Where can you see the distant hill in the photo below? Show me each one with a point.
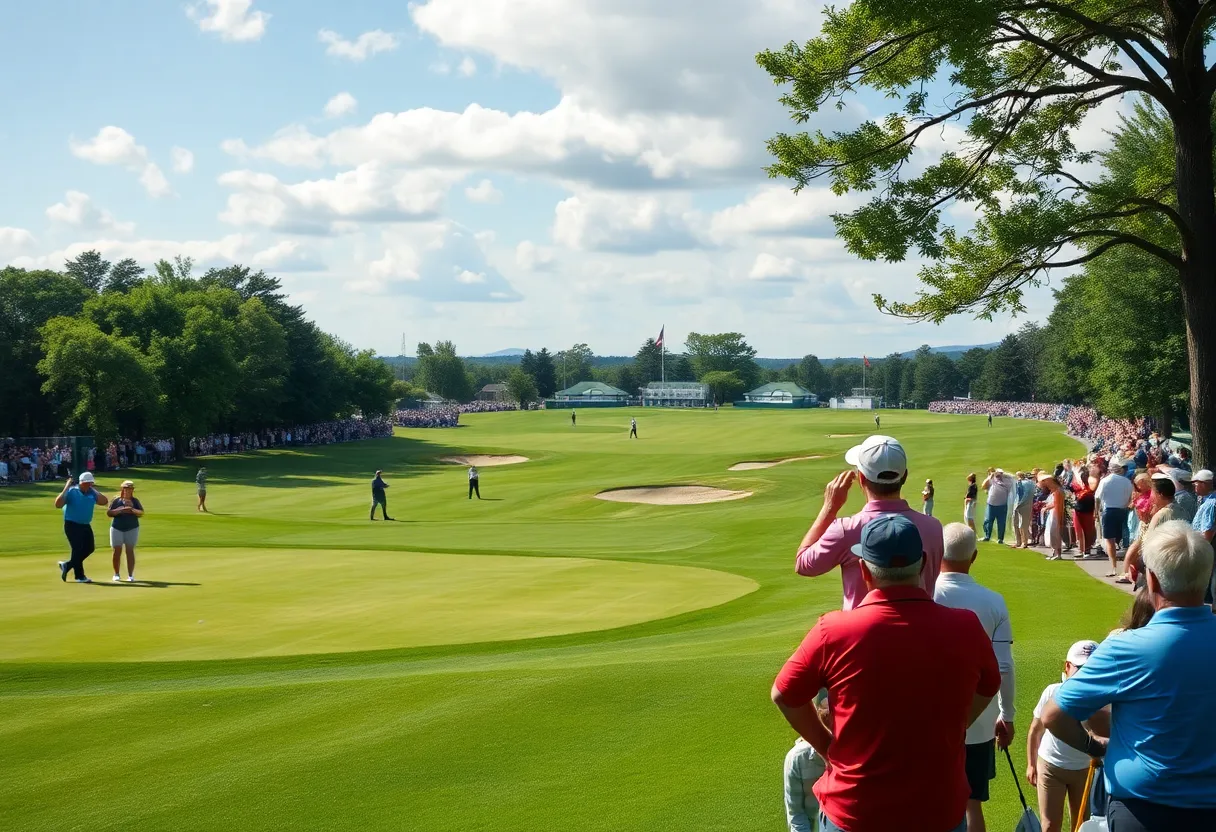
(512, 352)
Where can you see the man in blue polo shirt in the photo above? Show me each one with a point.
(78, 502)
(1161, 756)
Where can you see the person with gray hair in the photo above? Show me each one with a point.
(905, 677)
(958, 590)
(1161, 756)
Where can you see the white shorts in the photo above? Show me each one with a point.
(1051, 530)
(968, 512)
(121, 538)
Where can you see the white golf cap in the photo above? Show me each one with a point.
(1080, 652)
(999, 471)
(1202, 475)
(87, 476)
(880, 458)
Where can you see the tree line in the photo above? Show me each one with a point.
(109, 350)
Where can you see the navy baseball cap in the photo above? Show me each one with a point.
(890, 540)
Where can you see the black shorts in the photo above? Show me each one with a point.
(1114, 523)
(981, 768)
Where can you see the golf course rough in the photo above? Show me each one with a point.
(601, 725)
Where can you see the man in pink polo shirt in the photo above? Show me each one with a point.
(881, 470)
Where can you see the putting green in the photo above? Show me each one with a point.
(236, 603)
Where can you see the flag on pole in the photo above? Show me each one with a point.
(658, 342)
(865, 361)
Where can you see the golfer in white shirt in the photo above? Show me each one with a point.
(957, 589)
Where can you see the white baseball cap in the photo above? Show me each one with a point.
(1080, 652)
(880, 458)
(87, 476)
(1202, 475)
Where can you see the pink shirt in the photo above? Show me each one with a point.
(835, 548)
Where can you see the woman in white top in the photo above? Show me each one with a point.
(1055, 769)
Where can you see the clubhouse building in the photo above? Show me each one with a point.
(784, 395)
(675, 394)
(588, 394)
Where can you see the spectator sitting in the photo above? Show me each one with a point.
(803, 768)
(1160, 762)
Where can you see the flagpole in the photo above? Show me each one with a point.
(663, 355)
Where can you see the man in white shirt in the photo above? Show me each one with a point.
(998, 485)
(958, 590)
(1115, 492)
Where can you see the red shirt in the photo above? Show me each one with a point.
(901, 673)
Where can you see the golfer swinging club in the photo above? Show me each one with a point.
(200, 480)
(78, 502)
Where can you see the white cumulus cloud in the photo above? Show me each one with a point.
(115, 146)
(340, 105)
(483, 192)
(77, 209)
(13, 240)
(626, 223)
(359, 49)
(770, 267)
(467, 68)
(777, 210)
(439, 262)
(233, 20)
(533, 258)
(369, 193)
(183, 160)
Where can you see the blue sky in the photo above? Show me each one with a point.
(504, 173)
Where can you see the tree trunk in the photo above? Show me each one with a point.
(1193, 179)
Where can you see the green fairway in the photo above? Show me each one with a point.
(537, 660)
(202, 603)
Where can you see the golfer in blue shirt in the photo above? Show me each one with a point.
(1160, 761)
(78, 502)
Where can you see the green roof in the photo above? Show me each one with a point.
(787, 387)
(593, 388)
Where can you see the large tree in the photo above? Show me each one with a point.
(1006, 377)
(442, 372)
(1020, 75)
(95, 376)
(723, 352)
(648, 363)
(27, 301)
(88, 269)
(574, 365)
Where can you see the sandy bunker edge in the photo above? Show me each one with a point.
(671, 495)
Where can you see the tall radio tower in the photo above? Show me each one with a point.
(401, 366)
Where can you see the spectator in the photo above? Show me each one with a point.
(1053, 516)
(1084, 487)
(1160, 763)
(881, 469)
(969, 502)
(1056, 770)
(958, 590)
(803, 768)
(996, 511)
(1185, 502)
(1023, 497)
(1161, 510)
(1205, 513)
(1115, 494)
(926, 496)
(905, 678)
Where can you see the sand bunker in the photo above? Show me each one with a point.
(842, 435)
(672, 495)
(483, 460)
(756, 466)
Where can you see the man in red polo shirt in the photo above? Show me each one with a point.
(905, 678)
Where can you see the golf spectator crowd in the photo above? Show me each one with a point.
(23, 463)
(448, 416)
(1102, 433)
(882, 692)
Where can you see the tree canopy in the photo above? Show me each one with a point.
(1019, 76)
